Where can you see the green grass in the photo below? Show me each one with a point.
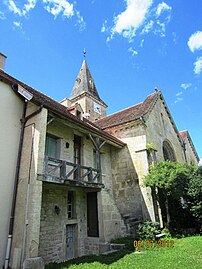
(187, 253)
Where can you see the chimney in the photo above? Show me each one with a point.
(2, 61)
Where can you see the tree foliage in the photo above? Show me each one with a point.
(180, 185)
(172, 177)
(194, 193)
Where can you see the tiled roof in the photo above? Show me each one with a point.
(183, 134)
(72, 107)
(129, 114)
(47, 102)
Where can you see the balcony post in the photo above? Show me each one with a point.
(78, 172)
(63, 170)
(46, 165)
(90, 174)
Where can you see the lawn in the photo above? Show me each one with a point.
(186, 253)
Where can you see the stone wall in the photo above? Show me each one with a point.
(53, 226)
(190, 156)
(130, 165)
(159, 129)
(87, 103)
(52, 231)
(28, 204)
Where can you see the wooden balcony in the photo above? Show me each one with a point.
(64, 172)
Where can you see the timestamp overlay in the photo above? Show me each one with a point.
(149, 244)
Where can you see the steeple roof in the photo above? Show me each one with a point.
(84, 83)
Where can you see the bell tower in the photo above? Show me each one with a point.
(85, 93)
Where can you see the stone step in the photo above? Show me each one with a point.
(104, 247)
(110, 252)
(118, 247)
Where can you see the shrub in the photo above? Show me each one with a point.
(148, 230)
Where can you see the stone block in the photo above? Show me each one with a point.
(33, 263)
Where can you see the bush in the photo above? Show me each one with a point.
(148, 230)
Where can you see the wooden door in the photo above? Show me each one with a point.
(70, 241)
(92, 215)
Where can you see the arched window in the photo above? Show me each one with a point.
(168, 152)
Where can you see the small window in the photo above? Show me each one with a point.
(70, 205)
(51, 146)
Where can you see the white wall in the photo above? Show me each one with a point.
(11, 109)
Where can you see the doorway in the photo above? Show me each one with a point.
(92, 215)
(70, 241)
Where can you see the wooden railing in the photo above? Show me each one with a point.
(61, 171)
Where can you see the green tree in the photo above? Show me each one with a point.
(172, 179)
(194, 193)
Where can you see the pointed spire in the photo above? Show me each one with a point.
(84, 83)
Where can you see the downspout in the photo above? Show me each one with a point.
(17, 171)
(16, 180)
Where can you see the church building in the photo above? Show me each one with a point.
(72, 176)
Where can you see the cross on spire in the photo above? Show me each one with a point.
(84, 53)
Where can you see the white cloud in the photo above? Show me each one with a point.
(200, 162)
(179, 93)
(133, 51)
(139, 18)
(148, 27)
(195, 41)
(179, 99)
(17, 24)
(127, 22)
(30, 5)
(161, 8)
(104, 27)
(55, 7)
(185, 85)
(141, 43)
(2, 15)
(13, 8)
(11, 4)
(80, 22)
(198, 66)
(161, 28)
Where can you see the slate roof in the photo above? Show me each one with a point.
(84, 83)
(52, 105)
(129, 114)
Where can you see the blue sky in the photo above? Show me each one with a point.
(132, 47)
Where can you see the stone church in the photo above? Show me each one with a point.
(71, 176)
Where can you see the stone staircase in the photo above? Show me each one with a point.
(109, 248)
(131, 223)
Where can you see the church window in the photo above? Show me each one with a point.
(168, 152)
